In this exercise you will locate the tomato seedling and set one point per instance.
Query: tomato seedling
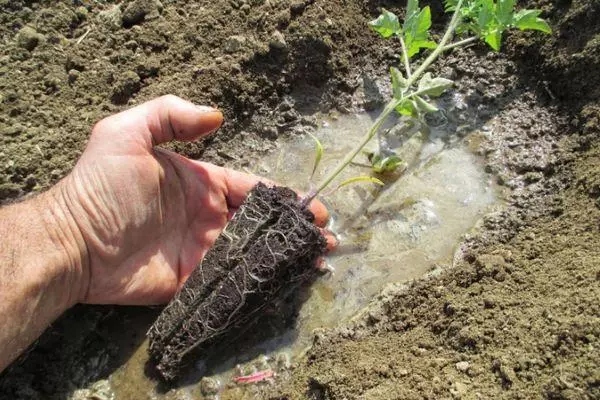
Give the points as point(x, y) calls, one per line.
point(413, 89)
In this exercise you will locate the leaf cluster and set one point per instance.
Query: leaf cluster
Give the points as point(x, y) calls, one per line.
point(489, 19)
point(414, 32)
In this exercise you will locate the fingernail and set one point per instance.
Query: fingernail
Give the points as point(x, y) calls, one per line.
point(206, 109)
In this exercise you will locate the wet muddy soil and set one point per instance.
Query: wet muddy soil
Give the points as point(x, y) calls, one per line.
point(517, 312)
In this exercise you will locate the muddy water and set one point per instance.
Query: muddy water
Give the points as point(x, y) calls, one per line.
point(390, 234)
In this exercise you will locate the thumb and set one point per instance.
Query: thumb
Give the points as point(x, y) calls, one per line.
point(159, 121)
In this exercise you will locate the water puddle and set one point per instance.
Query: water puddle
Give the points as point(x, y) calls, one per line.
point(387, 235)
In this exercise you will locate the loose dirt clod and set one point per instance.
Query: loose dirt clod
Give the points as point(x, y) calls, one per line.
point(268, 248)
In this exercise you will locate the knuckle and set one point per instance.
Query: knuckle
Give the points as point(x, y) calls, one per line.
point(169, 99)
point(101, 126)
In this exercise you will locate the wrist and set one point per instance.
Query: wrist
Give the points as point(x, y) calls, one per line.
point(66, 245)
point(43, 264)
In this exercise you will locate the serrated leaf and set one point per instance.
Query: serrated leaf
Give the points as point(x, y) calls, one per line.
point(386, 24)
point(416, 29)
point(424, 106)
point(494, 39)
point(398, 82)
point(433, 87)
point(408, 107)
point(318, 154)
point(528, 19)
point(357, 179)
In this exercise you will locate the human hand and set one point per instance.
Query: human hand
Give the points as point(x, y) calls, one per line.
point(147, 215)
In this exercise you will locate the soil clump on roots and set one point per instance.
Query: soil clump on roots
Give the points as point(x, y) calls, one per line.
point(267, 249)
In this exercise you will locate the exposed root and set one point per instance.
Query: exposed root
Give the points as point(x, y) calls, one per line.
point(270, 244)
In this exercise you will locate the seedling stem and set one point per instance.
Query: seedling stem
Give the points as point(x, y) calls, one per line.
point(392, 104)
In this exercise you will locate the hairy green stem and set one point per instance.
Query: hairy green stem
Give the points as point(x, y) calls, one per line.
point(405, 57)
point(350, 156)
point(391, 106)
point(461, 43)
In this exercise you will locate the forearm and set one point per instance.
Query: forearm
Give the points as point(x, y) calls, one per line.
point(42, 262)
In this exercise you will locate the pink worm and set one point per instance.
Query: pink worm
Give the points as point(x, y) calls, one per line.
point(255, 377)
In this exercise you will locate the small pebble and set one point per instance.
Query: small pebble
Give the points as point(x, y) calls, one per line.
point(209, 386)
point(463, 366)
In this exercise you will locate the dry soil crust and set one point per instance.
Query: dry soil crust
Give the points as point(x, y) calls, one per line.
point(517, 317)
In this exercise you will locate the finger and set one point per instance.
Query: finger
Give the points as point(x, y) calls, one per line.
point(322, 265)
point(332, 240)
point(162, 120)
point(238, 184)
point(320, 212)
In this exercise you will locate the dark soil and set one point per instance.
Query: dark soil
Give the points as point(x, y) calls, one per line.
point(269, 248)
point(518, 315)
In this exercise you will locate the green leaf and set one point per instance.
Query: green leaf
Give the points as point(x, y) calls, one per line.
point(417, 45)
point(485, 14)
point(398, 82)
point(360, 179)
point(408, 107)
point(382, 165)
point(318, 154)
point(412, 8)
point(504, 12)
point(416, 29)
point(494, 39)
point(450, 5)
point(528, 19)
point(433, 87)
point(424, 106)
point(386, 24)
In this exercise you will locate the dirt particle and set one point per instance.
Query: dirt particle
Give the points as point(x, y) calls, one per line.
point(148, 67)
point(125, 85)
point(9, 190)
point(82, 13)
point(28, 38)
point(12, 130)
point(298, 7)
point(112, 17)
point(462, 366)
point(140, 10)
point(369, 94)
point(73, 75)
point(52, 83)
point(278, 41)
point(506, 374)
point(282, 361)
point(235, 43)
point(209, 386)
